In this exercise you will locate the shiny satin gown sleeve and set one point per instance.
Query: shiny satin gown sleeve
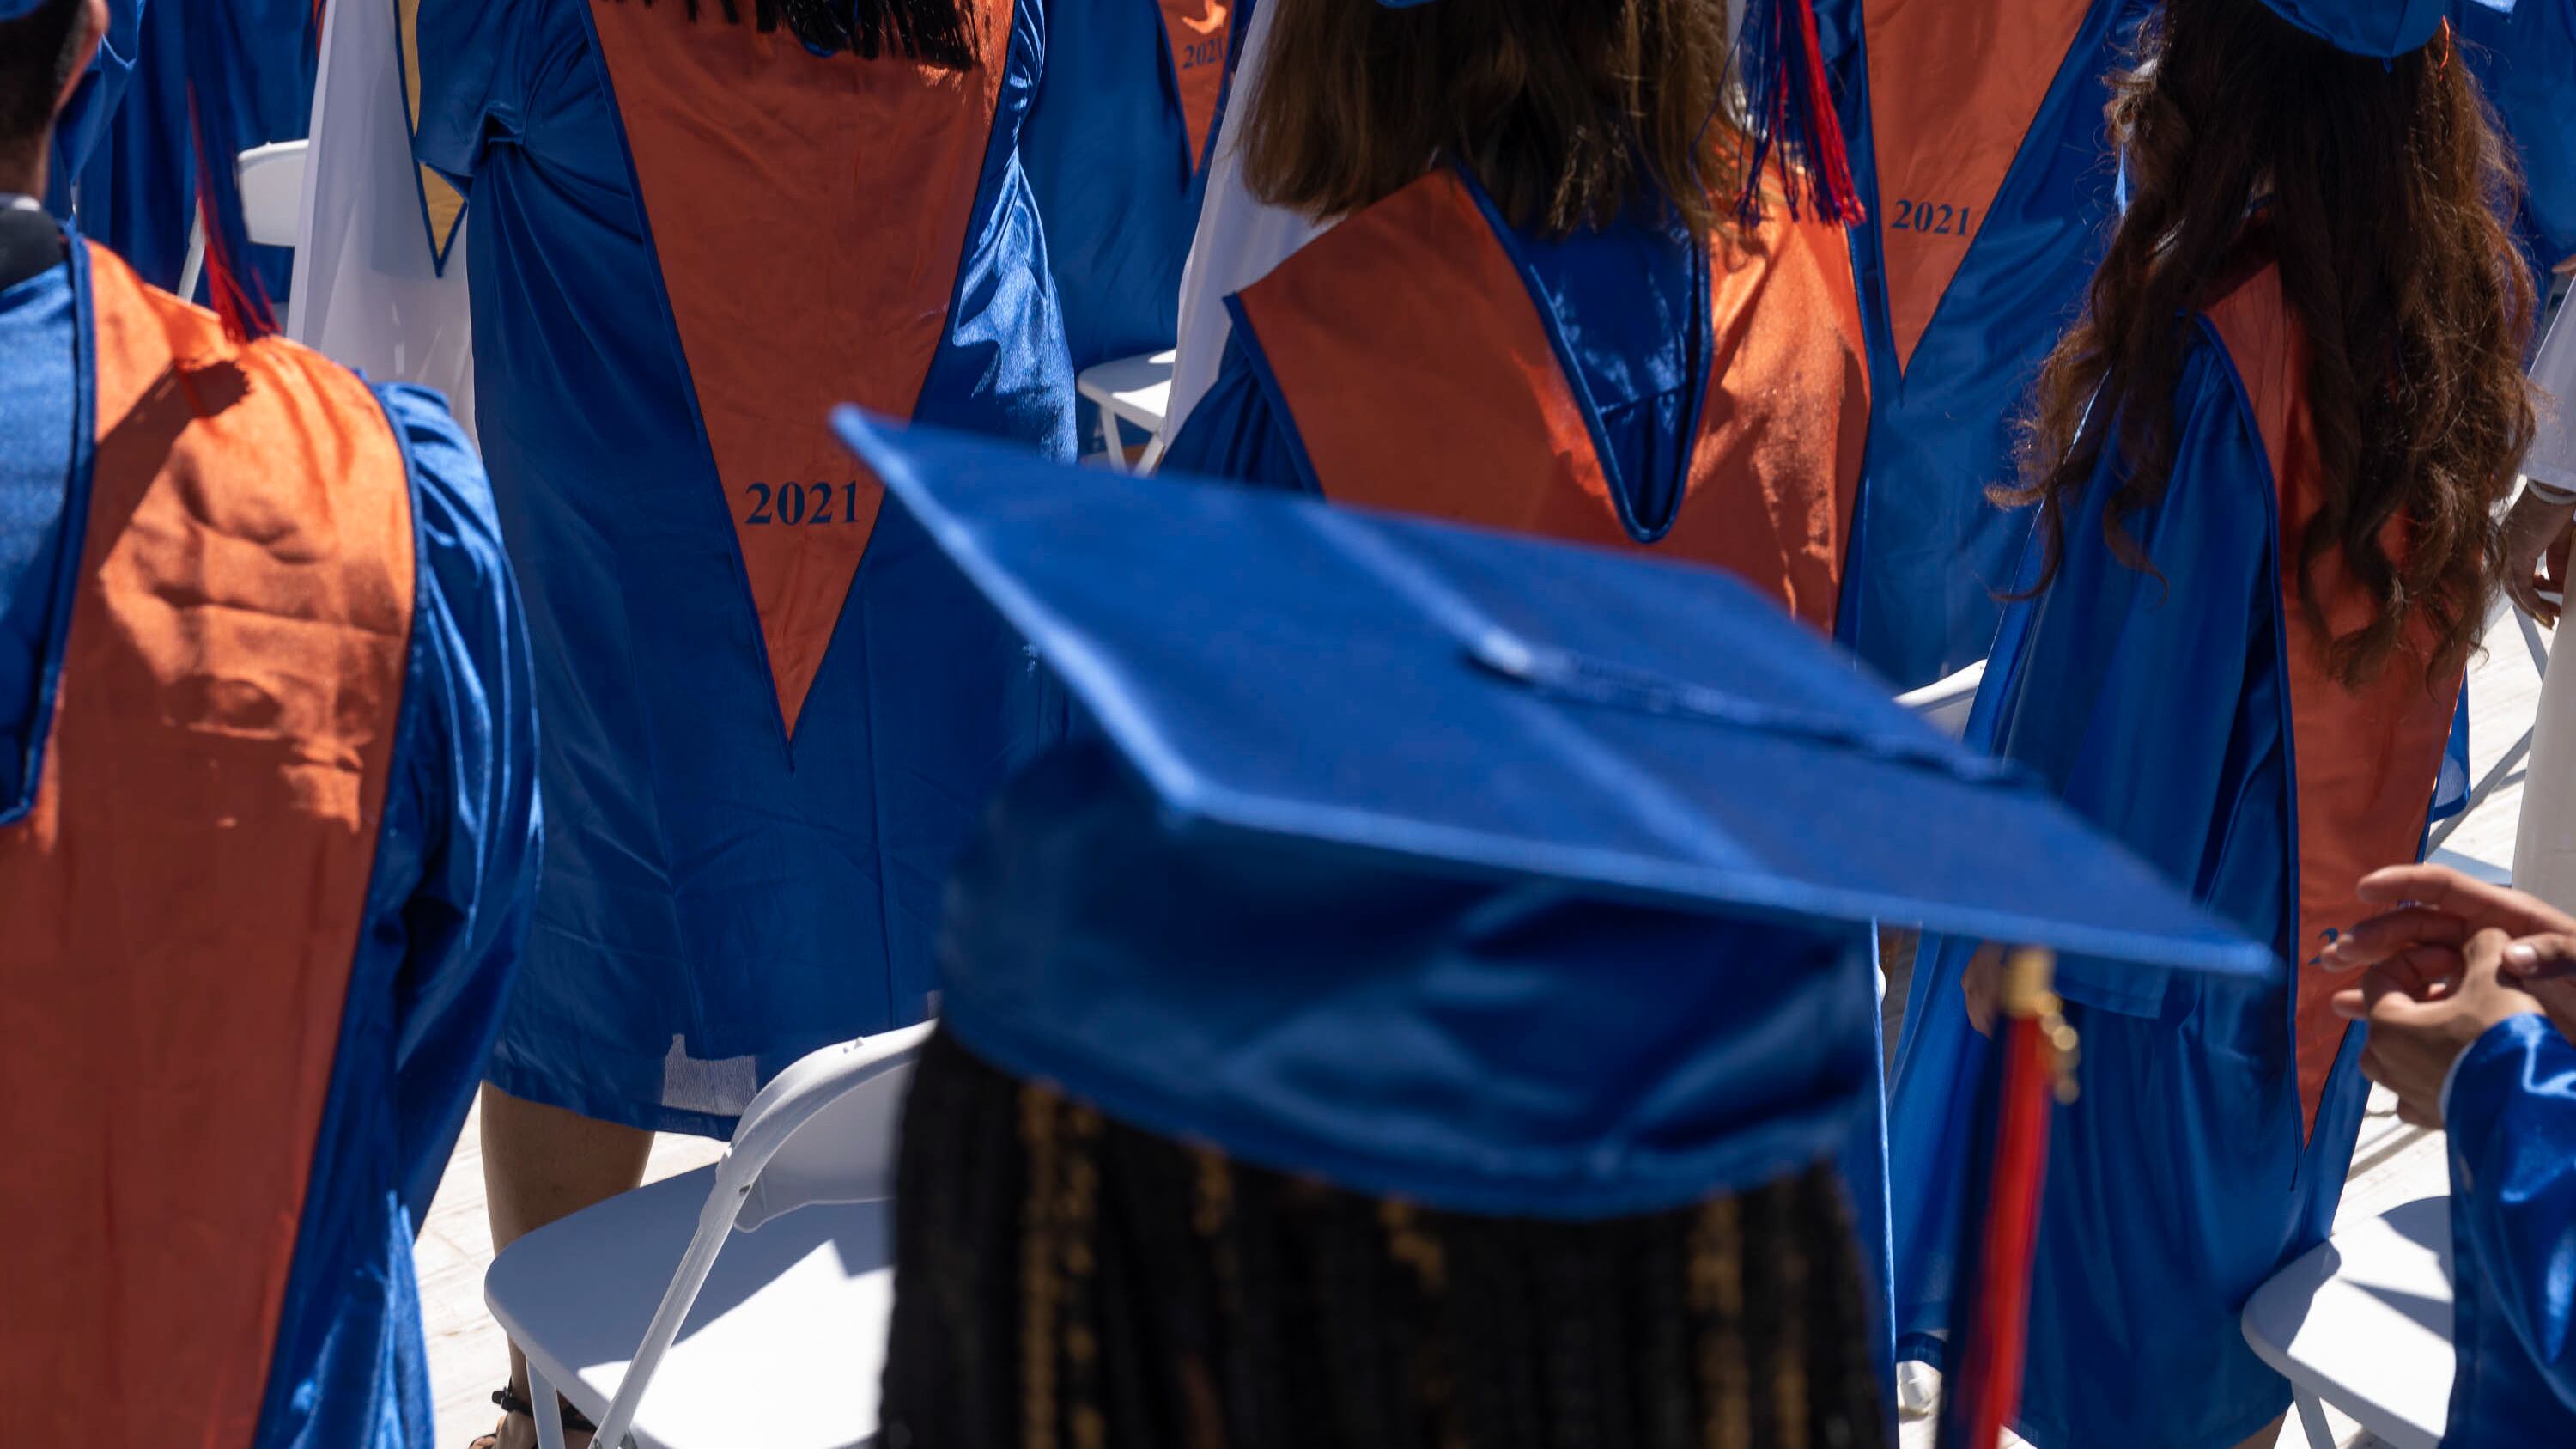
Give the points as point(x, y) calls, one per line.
point(2512, 1122)
point(2097, 663)
point(1238, 431)
point(463, 809)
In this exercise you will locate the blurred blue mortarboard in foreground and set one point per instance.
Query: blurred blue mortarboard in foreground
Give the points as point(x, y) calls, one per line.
point(1495, 873)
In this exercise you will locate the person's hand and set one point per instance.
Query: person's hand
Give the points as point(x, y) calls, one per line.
point(2434, 910)
point(2414, 1040)
point(2417, 945)
point(1983, 987)
point(2532, 563)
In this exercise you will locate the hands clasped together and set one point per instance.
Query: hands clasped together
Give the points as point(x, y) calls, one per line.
point(2450, 958)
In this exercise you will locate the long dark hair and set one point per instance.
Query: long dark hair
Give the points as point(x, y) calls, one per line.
point(1565, 110)
point(2381, 188)
point(935, 32)
point(1063, 1281)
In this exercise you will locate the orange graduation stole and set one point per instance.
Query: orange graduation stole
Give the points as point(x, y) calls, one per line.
point(1420, 377)
point(2365, 761)
point(183, 901)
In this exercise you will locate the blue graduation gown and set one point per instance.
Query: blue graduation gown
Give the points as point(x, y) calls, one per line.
point(454, 892)
point(1932, 117)
point(447, 905)
point(2173, 710)
point(2523, 53)
point(252, 65)
point(763, 744)
point(2512, 1127)
point(93, 106)
point(1117, 139)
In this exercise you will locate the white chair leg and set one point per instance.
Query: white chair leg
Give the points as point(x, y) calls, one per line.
point(1113, 440)
point(2312, 1420)
point(194, 267)
point(549, 1414)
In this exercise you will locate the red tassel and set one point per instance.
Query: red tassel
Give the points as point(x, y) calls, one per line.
point(1837, 198)
point(2001, 1333)
point(1789, 109)
point(244, 310)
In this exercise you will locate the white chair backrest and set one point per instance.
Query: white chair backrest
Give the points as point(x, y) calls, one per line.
point(824, 1130)
point(271, 181)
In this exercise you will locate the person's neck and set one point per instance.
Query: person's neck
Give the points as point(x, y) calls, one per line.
point(25, 174)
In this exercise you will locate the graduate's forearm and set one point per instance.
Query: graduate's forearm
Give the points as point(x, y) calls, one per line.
point(2513, 1147)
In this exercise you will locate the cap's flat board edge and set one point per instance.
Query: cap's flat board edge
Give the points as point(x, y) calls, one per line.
point(1192, 802)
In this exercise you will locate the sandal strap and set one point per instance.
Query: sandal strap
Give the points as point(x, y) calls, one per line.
point(574, 1420)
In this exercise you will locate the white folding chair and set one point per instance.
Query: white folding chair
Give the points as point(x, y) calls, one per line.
point(773, 1337)
point(1944, 703)
point(1134, 390)
point(271, 182)
point(2363, 1322)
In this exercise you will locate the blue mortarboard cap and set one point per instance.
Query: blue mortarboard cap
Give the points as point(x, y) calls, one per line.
point(19, 9)
point(2381, 29)
point(1494, 872)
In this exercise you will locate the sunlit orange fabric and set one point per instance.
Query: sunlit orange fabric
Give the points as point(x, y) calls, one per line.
point(1199, 31)
point(1420, 377)
point(182, 905)
point(808, 214)
point(2366, 760)
point(1953, 88)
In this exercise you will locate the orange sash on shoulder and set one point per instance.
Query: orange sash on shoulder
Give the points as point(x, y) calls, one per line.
point(180, 909)
point(2366, 760)
point(1420, 377)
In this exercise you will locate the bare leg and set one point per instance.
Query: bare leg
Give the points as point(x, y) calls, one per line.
point(541, 1163)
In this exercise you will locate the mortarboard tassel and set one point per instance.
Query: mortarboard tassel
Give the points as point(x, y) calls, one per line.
point(934, 32)
point(1990, 1332)
point(236, 296)
point(1789, 107)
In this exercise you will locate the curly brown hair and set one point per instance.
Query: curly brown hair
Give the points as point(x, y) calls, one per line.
point(1566, 111)
point(2380, 187)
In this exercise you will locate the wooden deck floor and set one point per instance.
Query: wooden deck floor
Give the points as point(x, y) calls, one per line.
point(2393, 1164)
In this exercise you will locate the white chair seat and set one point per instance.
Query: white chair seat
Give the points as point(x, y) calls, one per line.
point(2363, 1322)
point(1945, 704)
point(1136, 390)
point(784, 1348)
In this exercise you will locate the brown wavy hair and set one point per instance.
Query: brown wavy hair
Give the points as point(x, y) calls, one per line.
point(2381, 188)
point(1565, 110)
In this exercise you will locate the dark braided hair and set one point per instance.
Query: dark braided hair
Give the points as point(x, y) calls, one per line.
point(1064, 1281)
point(935, 32)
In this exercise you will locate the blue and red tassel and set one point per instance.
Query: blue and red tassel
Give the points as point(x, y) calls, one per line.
point(1790, 116)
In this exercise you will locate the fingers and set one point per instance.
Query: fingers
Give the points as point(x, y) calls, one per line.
point(2393, 934)
point(2440, 888)
point(2539, 958)
point(2524, 589)
point(1981, 988)
point(2425, 973)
